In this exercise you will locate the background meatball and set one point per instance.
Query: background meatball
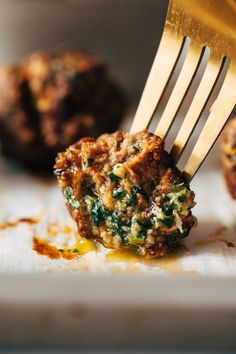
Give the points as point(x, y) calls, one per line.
point(48, 101)
point(123, 190)
point(228, 149)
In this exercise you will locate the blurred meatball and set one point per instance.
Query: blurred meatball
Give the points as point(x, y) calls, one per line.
point(123, 191)
point(228, 149)
point(49, 101)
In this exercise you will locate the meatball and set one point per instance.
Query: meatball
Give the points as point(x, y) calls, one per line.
point(49, 101)
point(123, 191)
point(228, 149)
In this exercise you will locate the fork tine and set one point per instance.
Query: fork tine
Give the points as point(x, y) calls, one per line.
point(164, 62)
point(196, 108)
point(220, 111)
point(181, 87)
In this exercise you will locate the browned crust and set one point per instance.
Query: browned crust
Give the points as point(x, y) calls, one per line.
point(148, 167)
point(50, 100)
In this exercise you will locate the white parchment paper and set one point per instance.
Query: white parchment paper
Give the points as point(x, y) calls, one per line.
point(209, 250)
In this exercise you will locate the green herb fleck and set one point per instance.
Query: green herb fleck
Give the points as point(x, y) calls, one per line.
point(89, 162)
point(113, 177)
point(69, 195)
point(119, 193)
point(74, 250)
point(145, 226)
point(182, 198)
point(137, 146)
point(168, 221)
point(136, 240)
point(178, 198)
point(118, 226)
point(168, 209)
point(129, 181)
point(167, 198)
point(99, 212)
point(133, 195)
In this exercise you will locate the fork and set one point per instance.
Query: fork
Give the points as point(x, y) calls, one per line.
point(206, 24)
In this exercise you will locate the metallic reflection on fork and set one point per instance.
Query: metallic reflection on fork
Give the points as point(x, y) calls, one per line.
point(203, 26)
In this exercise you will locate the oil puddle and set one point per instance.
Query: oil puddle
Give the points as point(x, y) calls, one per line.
point(171, 263)
point(45, 248)
point(203, 243)
point(57, 241)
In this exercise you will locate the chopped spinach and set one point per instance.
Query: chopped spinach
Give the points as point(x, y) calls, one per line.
point(99, 212)
point(145, 226)
point(168, 209)
point(178, 198)
point(129, 181)
point(118, 226)
point(137, 146)
point(73, 250)
point(136, 240)
point(168, 221)
point(133, 195)
point(69, 195)
point(167, 198)
point(113, 177)
point(182, 198)
point(119, 193)
point(89, 162)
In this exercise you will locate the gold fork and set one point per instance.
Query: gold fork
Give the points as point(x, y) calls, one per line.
point(206, 24)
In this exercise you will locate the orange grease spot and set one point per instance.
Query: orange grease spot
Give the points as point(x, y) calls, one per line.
point(15, 223)
point(44, 248)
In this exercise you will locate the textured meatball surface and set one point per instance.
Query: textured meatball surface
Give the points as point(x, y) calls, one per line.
point(123, 191)
point(49, 101)
point(228, 149)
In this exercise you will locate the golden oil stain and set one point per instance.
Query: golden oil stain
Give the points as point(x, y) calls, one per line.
point(55, 228)
point(85, 246)
point(204, 242)
point(170, 263)
point(46, 248)
point(6, 224)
